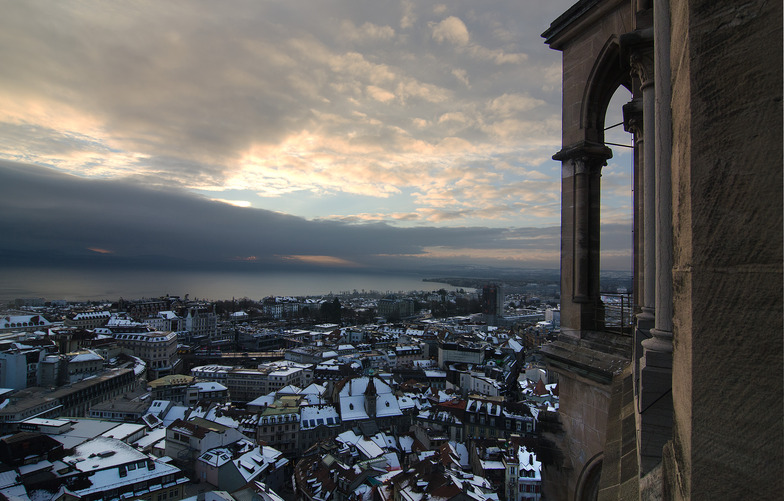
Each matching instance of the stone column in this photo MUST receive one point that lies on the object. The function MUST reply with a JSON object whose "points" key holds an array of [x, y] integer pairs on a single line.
{"points": [[641, 61], [581, 173], [655, 402], [662, 333], [633, 123]]}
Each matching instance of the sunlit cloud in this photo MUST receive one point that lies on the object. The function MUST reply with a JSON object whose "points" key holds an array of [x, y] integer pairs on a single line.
{"points": [[451, 29], [320, 260], [98, 250], [235, 203]]}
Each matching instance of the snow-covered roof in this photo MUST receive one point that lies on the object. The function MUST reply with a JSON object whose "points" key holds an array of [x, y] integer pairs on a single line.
{"points": [[101, 453], [358, 386], [528, 462], [314, 389], [313, 416], [209, 386], [290, 390], [353, 408], [262, 401], [386, 405], [216, 457]]}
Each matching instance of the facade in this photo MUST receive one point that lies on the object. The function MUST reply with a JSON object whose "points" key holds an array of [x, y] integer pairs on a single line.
{"points": [[107, 468], [460, 353], [278, 424], [523, 479], [245, 385], [19, 368], [88, 319], [158, 350], [71, 400], [639, 410], [23, 323], [201, 322]]}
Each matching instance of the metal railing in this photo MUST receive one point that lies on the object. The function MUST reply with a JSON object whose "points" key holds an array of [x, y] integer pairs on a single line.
{"points": [[618, 313]]}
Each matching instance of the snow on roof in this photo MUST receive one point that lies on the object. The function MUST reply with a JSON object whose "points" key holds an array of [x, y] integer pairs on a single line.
{"points": [[383, 440], [151, 438], [107, 479], [406, 442], [290, 390], [175, 413], [358, 386], [329, 354], [101, 453], [386, 405], [87, 356], [123, 431], [491, 465], [312, 416], [353, 408], [258, 460], [528, 462], [216, 457], [83, 430], [435, 374], [369, 448], [314, 389], [262, 401], [209, 386], [393, 461], [33, 467], [405, 403]]}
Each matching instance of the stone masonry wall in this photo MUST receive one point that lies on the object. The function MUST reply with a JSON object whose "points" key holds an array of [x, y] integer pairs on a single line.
{"points": [[727, 206]]}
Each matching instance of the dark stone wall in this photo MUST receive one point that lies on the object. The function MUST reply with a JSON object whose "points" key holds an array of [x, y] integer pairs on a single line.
{"points": [[727, 207]]}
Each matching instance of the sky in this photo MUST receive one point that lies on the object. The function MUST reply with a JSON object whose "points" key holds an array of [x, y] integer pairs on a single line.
{"points": [[348, 134]]}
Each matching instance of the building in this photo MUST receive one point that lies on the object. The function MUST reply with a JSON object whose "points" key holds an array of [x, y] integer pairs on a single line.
{"points": [[88, 319], [107, 468], [278, 424], [187, 440], [492, 301], [523, 474], [71, 400], [245, 385], [158, 349], [639, 410], [23, 323], [470, 353], [19, 367]]}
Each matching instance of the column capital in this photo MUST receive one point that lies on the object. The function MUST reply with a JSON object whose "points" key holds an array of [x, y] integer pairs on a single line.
{"points": [[588, 153], [637, 54]]}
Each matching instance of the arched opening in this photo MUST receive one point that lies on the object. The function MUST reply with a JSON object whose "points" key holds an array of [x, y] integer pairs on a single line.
{"points": [[617, 210], [588, 483]]}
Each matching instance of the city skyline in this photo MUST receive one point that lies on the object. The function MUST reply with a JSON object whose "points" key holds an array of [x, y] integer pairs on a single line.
{"points": [[403, 136]]}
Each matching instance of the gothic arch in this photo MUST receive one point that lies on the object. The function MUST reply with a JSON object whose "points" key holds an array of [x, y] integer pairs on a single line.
{"points": [[606, 76], [588, 482]]}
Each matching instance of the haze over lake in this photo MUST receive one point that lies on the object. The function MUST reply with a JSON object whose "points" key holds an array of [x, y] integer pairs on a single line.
{"points": [[79, 284]]}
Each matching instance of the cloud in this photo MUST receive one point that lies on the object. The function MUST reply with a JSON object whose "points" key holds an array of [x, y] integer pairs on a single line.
{"points": [[398, 114], [368, 31], [50, 217], [452, 30]]}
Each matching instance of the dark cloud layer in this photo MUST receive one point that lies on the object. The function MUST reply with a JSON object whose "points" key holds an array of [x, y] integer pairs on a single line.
{"points": [[47, 217]]}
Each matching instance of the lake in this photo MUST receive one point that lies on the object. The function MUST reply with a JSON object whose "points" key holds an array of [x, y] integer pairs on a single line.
{"points": [[77, 285]]}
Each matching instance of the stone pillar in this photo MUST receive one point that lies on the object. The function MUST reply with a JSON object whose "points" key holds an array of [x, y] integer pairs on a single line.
{"points": [[633, 123], [655, 403], [641, 61], [581, 174], [663, 331]]}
